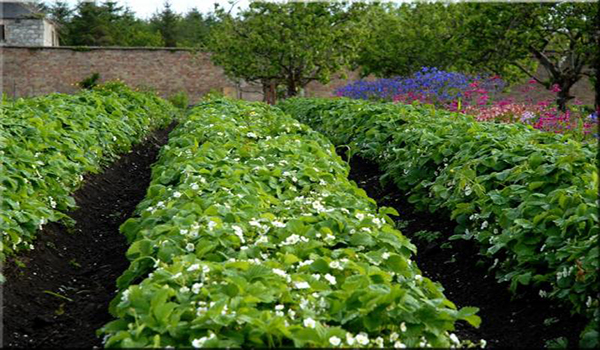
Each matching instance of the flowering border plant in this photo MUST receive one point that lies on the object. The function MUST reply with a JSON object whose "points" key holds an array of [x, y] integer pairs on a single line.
{"points": [[529, 199], [251, 235]]}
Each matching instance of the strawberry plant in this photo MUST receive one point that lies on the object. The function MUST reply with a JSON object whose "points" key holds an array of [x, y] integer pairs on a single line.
{"points": [[252, 235], [529, 198], [48, 143]]}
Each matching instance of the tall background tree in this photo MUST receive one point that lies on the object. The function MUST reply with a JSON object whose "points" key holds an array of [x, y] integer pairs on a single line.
{"points": [[558, 36], [167, 22], [288, 44], [401, 39]]}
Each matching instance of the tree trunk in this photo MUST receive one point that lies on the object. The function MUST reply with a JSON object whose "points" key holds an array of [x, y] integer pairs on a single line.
{"points": [[563, 96], [269, 94], [292, 87]]}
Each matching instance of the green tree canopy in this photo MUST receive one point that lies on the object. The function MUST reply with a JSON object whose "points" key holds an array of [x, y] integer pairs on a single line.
{"points": [[290, 43], [167, 22], [400, 40], [502, 37]]}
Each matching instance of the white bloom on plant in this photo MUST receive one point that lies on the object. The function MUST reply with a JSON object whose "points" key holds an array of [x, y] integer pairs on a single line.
{"points": [[329, 237], [211, 225], [305, 262], [335, 341], [262, 239], [309, 323], [176, 194], [454, 338], [279, 307], [335, 265], [362, 338], [330, 279], [316, 276], [385, 256], [366, 229], [482, 343], [379, 342], [418, 278], [197, 343], [196, 287], [190, 247], [484, 225], [403, 327], [278, 224], [378, 222], [360, 216], [125, 295], [254, 222], [302, 285], [468, 190], [292, 313], [195, 187], [239, 233], [194, 267], [291, 240], [345, 211], [394, 336], [349, 338], [184, 290], [280, 272], [251, 135], [399, 345]]}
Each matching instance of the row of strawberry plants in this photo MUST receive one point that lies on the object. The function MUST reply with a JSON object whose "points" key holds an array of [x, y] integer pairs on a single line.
{"points": [[252, 235], [528, 198], [48, 143]]}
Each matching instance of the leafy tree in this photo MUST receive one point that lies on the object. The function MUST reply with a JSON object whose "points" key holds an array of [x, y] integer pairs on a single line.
{"points": [[290, 43], [194, 29], [105, 24], [400, 40], [167, 23], [559, 36], [61, 13]]}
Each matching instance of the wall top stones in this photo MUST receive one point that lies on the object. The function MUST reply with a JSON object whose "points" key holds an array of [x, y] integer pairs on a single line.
{"points": [[38, 70]]}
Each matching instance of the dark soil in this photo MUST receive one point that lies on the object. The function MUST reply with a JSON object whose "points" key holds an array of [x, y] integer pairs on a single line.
{"points": [[507, 321], [57, 295]]}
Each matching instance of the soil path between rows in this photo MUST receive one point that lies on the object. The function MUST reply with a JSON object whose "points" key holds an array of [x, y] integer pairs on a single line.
{"points": [[57, 295], [507, 322]]}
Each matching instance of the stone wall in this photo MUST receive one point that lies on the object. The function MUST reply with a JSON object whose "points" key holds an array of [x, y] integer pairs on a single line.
{"points": [[27, 32], [30, 71]]}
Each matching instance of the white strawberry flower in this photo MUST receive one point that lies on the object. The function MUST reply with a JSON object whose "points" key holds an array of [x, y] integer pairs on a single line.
{"points": [[309, 323], [335, 341]]}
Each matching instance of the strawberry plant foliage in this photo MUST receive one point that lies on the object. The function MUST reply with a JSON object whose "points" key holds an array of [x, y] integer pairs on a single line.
{"points": [[252, 235], [48, 143], [530, 199]]}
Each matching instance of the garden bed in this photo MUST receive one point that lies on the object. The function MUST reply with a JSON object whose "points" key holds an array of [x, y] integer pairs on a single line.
{"points": [[524, 321], [57, 295]]}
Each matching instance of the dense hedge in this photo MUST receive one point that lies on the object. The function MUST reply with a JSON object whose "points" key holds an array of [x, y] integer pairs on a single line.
{"points": [[252, 235], [530, 199], [48, 143]]}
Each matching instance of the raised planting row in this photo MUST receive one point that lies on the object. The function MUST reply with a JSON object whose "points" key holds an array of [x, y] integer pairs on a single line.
{"points": [[252, 235], [48, 143], [528, 198]]}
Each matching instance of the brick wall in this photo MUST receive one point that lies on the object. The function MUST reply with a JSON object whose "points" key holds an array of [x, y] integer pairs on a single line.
{"points": [[30, 71], [35, 71]]}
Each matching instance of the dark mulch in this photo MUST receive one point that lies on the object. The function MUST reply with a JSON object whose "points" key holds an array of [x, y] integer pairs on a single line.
{"points": [[507, 321], [58, 294]]}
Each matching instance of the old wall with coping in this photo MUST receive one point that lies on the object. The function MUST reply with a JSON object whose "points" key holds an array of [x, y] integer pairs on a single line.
{"points": [[31, 71]]}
